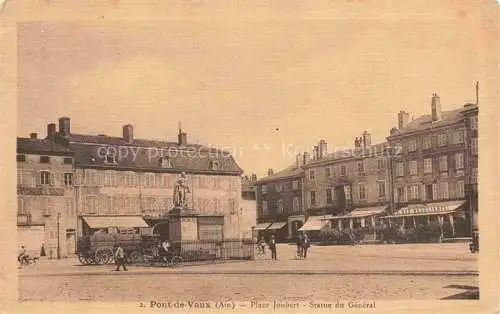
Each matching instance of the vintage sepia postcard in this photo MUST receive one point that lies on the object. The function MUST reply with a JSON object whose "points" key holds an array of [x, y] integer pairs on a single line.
{"points": [[249, 156]]}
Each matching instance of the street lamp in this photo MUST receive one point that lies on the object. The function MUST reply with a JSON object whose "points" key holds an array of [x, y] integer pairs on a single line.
{"points": [[58, 236]]}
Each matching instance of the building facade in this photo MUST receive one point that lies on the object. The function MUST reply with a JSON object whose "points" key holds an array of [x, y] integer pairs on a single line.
{"points": [[280, 208], [46, 212], [348, 188], [433, 164], [122, 176], [248, 203]]}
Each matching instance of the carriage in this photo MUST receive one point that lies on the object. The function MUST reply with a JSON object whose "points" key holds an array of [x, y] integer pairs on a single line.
{"points": [[99, 248], [101, 235]]}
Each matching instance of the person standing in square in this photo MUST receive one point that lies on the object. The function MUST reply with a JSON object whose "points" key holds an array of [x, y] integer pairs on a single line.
{"points": [[120, 258], [272, 247]]}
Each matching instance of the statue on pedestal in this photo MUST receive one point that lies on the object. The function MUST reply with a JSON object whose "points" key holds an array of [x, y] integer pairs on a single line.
{"points": [[181, 189]]}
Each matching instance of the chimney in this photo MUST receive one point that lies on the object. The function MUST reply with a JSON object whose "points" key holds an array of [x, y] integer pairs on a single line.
{"points": [[323, 148], [34, 135], [64, 126], [306, 158], [182, 136], [128, 133], [300, 160], [51, 130], [403, 119], [270, 172], [357, 142], [435, 107], [367, 139], [316, 153]]}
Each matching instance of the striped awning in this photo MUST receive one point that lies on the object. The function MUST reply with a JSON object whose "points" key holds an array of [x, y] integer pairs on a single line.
{"points": [[276, 225], [262, 226], [315, 223], [440, 208], [362, 212], [98, 222]]}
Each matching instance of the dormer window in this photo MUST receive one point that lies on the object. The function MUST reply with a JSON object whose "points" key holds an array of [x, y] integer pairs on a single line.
{"points": [[214, 165], [165, 162]]}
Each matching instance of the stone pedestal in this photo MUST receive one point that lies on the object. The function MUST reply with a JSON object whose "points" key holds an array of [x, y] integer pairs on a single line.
{"points": [[183, 225]]}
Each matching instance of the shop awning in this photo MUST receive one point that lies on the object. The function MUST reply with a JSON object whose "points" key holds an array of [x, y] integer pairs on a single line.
{"points": [[262, 226], [97, 222], [441, 208], [362, 212], [315, 223], [276, 225]]}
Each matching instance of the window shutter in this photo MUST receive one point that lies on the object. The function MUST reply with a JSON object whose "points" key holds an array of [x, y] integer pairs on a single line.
{"points": [[396, 196], [423, 192]]}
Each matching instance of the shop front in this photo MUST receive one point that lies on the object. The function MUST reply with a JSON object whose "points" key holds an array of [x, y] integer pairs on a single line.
{"points": [[363, 221], [259, 230], [314, 225], [278, 230], [448, 217]]}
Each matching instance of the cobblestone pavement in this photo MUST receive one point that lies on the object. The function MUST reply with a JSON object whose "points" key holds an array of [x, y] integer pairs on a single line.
{"points": [[331, 272]]}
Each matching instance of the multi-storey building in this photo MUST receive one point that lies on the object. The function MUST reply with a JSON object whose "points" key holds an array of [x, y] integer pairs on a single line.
{"points": [[248, 202], [279, 202], [471, 161], [347, 188], [46, 212], [431, 167], [127, 176]]}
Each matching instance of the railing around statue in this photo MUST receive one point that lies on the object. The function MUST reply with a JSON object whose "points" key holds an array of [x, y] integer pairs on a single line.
{"points": [[214, 250]]}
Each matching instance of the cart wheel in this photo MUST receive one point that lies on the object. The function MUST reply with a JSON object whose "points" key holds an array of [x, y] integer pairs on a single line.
{"points": [[176, 261], [103, 256], [83, 259], [136, 257]]}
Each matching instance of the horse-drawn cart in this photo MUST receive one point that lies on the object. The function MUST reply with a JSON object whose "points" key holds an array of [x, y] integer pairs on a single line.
{"points": [[99, 249], [102, 234]]}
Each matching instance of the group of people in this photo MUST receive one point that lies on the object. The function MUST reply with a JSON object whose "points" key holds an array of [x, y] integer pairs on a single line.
{"points": [[303, 244]]}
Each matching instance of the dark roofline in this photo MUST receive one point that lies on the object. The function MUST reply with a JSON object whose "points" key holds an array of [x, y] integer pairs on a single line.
{"points": [[136, 143], [52, 149], [331, 158], [424, 130], [291, 174]]}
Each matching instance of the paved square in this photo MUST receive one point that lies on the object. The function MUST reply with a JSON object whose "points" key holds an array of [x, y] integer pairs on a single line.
{"points": [[408, 271]]}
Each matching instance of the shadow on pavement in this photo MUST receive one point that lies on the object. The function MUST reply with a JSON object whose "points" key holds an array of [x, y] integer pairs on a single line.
{"points": [[471, 293]]}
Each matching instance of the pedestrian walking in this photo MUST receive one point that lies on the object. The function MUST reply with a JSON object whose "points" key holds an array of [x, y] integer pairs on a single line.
{"points": [[42, 251], [305, 245], [299, 246], [120, 258], [272, 247]]}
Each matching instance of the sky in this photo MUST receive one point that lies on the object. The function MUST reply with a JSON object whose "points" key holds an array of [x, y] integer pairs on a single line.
{"points": [[265, 88]]}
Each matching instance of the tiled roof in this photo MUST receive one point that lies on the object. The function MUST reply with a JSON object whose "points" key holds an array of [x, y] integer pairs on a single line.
{"points": [[292, 171], [425, 122], [148, 158], [119, 141], [41, 146]]}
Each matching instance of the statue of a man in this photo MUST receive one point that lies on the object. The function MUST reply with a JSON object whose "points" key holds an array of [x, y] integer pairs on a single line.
{"points": [[181, 188]]}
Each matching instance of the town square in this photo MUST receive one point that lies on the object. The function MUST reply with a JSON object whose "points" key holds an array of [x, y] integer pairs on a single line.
{"points": [[287, 163]]}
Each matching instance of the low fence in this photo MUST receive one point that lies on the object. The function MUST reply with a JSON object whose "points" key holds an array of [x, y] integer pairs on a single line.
{"points": [[214, 250]]}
